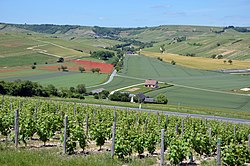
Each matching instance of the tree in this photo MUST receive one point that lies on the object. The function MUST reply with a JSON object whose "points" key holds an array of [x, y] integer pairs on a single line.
{"points": [[173, 62], [224, 61], [162, 48], [81, 89], [93, 70], [60, 60], [213, 56], [51, 90], [161, 99], [64, 68], [104, 55], [230, 61], [118, 96], [97, 70], [219, 56], [33, 67], [2, 88], [81, 69]]}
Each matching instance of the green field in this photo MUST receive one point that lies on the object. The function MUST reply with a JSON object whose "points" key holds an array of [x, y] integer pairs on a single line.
{"points": [[27, 59], [201, 41], [21, 44], [192, 87], [58, 79], [195, 88], [52, 156]]}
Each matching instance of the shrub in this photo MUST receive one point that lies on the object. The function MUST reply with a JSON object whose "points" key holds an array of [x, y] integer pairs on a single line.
{"points": [[173, 62], [60, 60], [33, 67], [118, 96], [161, 99], [159, 58], [213, 56], [219, 56]]}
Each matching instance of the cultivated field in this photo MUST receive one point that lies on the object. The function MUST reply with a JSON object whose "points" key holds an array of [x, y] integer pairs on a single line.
{"points": [[57, 78], [199, 62], [192, 87]]}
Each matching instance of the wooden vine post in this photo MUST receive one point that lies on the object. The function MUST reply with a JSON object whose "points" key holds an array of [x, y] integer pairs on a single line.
{"points": [[249, 142], [65, 134], [87, 125], [219, 152], [74, 109], [16, 128], [162, 147], [113, 136], [182, 128], [210, 134]]}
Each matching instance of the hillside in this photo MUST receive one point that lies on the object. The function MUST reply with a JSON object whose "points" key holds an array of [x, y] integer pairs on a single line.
{"points": [[199, 41]]}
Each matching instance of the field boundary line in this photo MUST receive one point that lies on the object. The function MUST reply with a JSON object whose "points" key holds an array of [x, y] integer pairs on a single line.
{"points": [[209, 90]]}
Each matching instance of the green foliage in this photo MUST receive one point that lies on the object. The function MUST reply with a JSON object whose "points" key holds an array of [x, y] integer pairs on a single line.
{"points": [[46, 28], [190, 54], [60, 60], [46, 118], [213, 56], [161, 99], [159, 58], [104, 55], [81, 69], [234, 154], [33, 67], [95, 70], [173, 62], [102, 95], [64, 68], [118, 96], [178, 151], [219, 56], [162, 48], [81, 89], [28, 88]]}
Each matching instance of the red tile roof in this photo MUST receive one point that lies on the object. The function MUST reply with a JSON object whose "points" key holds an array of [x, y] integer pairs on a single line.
{"points": [[151, 82]]}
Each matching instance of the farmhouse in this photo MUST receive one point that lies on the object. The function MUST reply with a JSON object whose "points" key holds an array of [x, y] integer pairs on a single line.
{"points": [[151, 84], [149, 100], [97, 91]]}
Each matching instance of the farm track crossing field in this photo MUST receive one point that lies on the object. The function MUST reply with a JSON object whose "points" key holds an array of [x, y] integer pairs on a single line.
{"points": [[137, 68]]}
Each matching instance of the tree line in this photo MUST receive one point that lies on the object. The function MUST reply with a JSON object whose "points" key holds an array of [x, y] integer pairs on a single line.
{"points": [[27, 88]]}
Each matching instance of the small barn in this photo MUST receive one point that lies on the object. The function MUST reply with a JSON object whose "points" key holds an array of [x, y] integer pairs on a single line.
{"points": [[151, 83], [97, 91], [149, 100]]}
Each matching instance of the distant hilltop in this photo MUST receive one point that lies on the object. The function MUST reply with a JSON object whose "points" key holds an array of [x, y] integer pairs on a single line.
{"points": [[227, 42]]}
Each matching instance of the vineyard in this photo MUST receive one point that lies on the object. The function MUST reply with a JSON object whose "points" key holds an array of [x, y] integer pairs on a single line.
{"points": [[79, 128]]}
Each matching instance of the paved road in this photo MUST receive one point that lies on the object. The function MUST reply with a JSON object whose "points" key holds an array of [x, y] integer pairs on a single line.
{"points": [[209, 117], [111, 77]]}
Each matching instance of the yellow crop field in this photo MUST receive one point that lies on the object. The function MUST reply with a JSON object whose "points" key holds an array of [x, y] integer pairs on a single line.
{"points": [[200, 62]]}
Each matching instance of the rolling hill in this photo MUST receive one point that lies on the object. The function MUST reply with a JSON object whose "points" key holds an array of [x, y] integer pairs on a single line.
{"points": [[200, 41]]}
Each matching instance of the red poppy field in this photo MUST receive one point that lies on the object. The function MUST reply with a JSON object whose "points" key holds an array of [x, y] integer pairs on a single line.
{"points": [[88, 65]]}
